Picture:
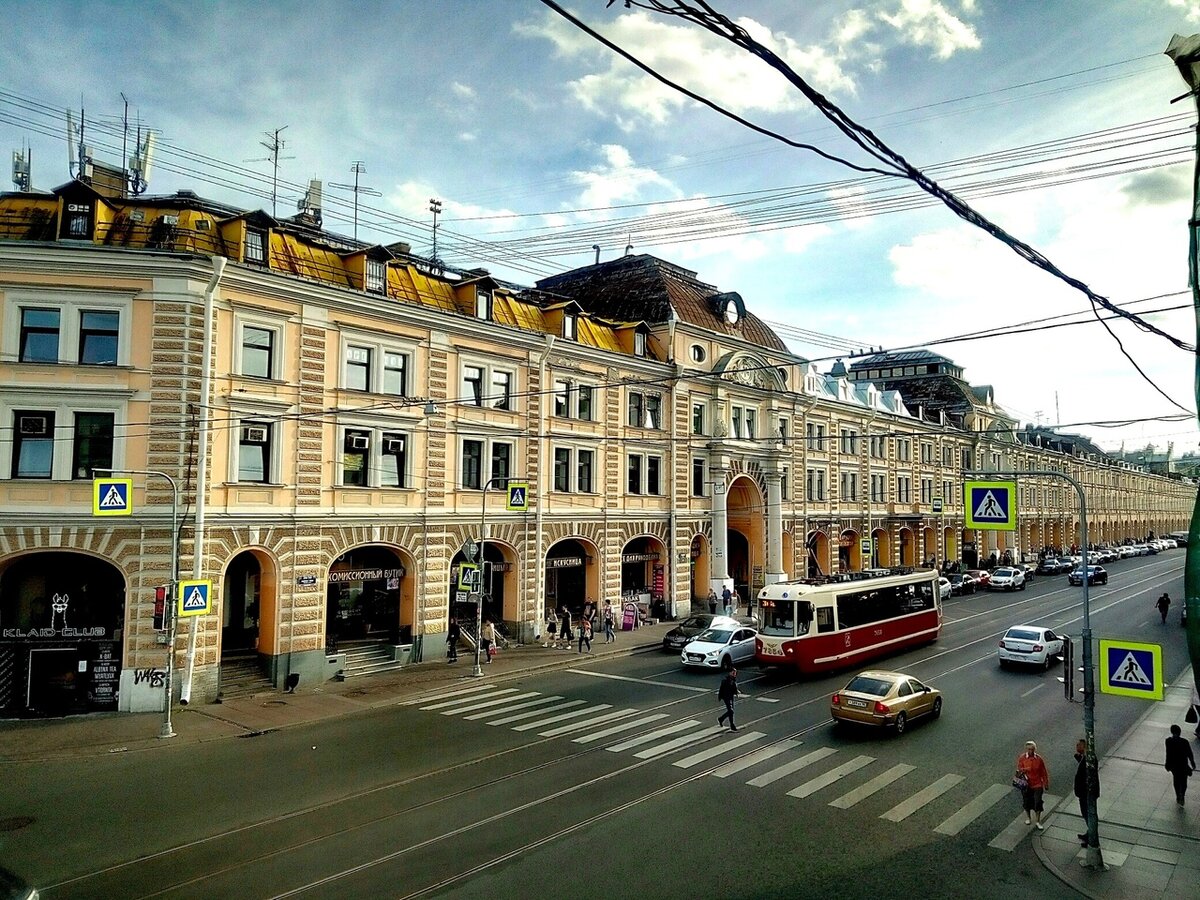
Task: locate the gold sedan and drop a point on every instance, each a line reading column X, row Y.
column 886, row 699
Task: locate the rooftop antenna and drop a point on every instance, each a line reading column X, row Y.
column 596, row 247
column 435, row 207
column 359, row 168
column 79, row 155
column 20, row 169
column 309, row 206
column 274, row 145
column 629, row 246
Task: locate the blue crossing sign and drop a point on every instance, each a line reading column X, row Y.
column 518, row 496
column 112, row 496
column 195, row 598
column 991, row 505
column 1131, row 669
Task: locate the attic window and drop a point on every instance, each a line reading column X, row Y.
column 256, row 247
column 570, row 326
column 483, row 305
column 639, row 343
column 698, row 354
column 376, row 276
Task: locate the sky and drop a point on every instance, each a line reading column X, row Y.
column 1053, row 120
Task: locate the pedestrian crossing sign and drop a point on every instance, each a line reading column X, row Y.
column 195, row 598
column 518, row 496
column 112, row 496
column 991, row 505
column 468, row 577
column 1131, row 669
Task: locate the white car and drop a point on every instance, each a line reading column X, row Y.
column 944, row 589
column 1007, row 578
column 1030, row 645
column 1126, row 551
column 721, row 647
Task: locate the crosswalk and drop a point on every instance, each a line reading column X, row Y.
column 651, row 735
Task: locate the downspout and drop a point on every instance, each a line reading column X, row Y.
column 185, row 690
column 538, row 572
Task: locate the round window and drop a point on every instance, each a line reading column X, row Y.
column 698, row 354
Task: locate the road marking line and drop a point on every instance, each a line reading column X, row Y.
column 667, row 747
column 485, row 705
column 723, row 747
column 579, row 726
column 878, row 783
column 1016, row 830
column 467, row 690
column 1032, row 689
column 830, row 777
column 755, row 758
column 540, row 701
column 902, row 811
column 529, row 726
column 666, row 684
column 458, row 701
column 973, row 810
column 537, row 712
column 616, row 729
column 653, row 735
column 794, row 766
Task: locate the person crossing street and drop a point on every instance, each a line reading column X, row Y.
column 728, row 693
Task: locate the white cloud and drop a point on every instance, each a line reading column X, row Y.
column 1189, row 8
column 617, row 179
column 468, row 136
column 927, row 23
column 462, row 91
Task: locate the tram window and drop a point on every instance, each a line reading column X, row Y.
column 876, row 605
column 778, row 619
column 824, row 619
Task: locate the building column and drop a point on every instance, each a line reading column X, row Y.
column 774, row 573
column 718, row 577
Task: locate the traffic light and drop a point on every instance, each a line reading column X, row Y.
column 1068, row 669
column 162, row 596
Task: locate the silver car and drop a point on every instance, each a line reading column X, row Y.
column 1007, row 578
column 720, row 648
column 1030, row 645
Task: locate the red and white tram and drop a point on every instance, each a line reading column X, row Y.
column 818, row 627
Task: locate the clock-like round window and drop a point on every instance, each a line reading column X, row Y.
column 698, row 354
column 731, row 312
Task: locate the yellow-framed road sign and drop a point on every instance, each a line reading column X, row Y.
column 1131, row 669
column 518, row 496
column 112, row 496
column 195, row 598
column 991, row 505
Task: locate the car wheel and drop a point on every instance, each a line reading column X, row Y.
column 726, row 663
column 937, row 708
column 1022, row 585
column 1004, row 664
column 1047, row 662
column 901, row 722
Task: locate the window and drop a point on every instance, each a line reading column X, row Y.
column 645, row 410
column 587, row 460
column 254, row 452
column 783, row 430
column 968, row 460
column 903, row 449
column 472, row 465
column 639, row 343
column 562, row 469
column 697, row 418
column 93, row 445
column 653, row 474
column 376, row 276
column 570, row 326
column 783, row 484
column 499, row 382
column 751, row 424
column 849, row 486
column 562, row 398
column 501, row 390
column 947, row 457
column 39, row 335
column 358, row 368
column 878, row 448
column 926, row 453
column 878, row 488
column 644, row 474
column 395, row 374
column 33, row 444
column 483, row 305
column 98, row 334
column 258, row 351
column 572, row 400
column 815, row 435
column 393, row 454
column 948, row 492
column 903, row 489
column 473, row 385
column 501, row 464
column 698, row 353
column 256, row 247
column 814, row 485
column 635, row 475
column 849, row 441
column 580, row 462
column 735, row 421
column 78, row 221
column 698, row 477
column 584, row 405
column 356, row 455
column 743, row 423
column 926, row 490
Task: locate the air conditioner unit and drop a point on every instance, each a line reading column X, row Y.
column 359, row 442
column 170, row 220
column 254, row 435
column 33, row 426
column 393, row 445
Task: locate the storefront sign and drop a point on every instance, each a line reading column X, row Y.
column 365, row 575
column 306, row 580
column 639, row 557
column 659, row 579
column 564, row 562
column 58, row 628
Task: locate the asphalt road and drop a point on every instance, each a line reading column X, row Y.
column 435, row 799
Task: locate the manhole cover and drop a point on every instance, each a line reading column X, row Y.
column 275, row 703
column 16, row 823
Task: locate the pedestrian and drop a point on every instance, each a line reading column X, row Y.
column 564, row 627
column 589, row 612
column 1081, row 786
column 1037, row 779
column 712, row 602
column 488, row 641
column 1180, row 762
column 727, row 599
column 1195, row 709
column 453, row 633
column 551, row 626
column 1163, row 604
column 610, row 621
column 585, row 634
column 728, row 693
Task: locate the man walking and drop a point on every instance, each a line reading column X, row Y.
column 728, row 692
column 610, row 636
column 452, row 636
column 1163, row 604
column 727, row 599
column 1180, row 762
column 1081, row 786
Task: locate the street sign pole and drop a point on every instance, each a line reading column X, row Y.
column 171, row 619
column 1093, row 859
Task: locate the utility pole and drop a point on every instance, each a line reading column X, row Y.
column 435, row 207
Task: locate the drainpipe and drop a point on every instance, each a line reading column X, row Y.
column 185, row 690
column 539, row 572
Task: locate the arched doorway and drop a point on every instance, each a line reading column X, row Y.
column 572, row 575
column 248, row 605
column 950, row 549
column 908, row 547
column 746, row 541
column 499, row 581
column 700, row 570
column 849, row 554
column 63, row 615
column 929, row 550
column 881, row 549
column 643, row 573
column 738, row 551
column 817, row 550
column 368, row 587
column 970, row 552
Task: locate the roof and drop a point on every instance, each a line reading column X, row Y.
column 899, row 356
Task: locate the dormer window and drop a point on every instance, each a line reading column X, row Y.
column 639, row 343
column 376, row 276
column 256, row 247
column 731, row 312
column 483, row 305
column 570, row 326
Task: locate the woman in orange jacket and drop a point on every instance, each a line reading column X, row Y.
column 1037, row 777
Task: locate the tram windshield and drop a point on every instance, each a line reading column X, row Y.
column 785, row 618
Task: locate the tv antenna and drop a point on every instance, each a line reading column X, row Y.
column 435, row 207
column 274, row 144
column 79, row 154
column 22, row 159
column 358, row 168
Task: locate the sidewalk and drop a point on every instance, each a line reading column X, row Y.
column 101, row 733
column 1150, row 844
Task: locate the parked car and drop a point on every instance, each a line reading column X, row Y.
column 944, row 589
column 1007, row 578
column 1095, row 575
column 961, row 584
column 981, row 577
column 885, row 699
column 1030, row 645
column 1126, row 551
column 721, row 647
column 1049, row 566
column 675, row 639
column 1029, row 569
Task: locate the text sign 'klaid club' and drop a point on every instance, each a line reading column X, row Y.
column 991, row 505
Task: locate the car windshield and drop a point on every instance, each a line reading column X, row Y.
column 696, row 622
column 1023, row 634
column 870, row 684
column 715, row 636
column 1004, row 573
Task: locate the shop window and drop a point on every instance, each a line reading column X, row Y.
column 254, row 452
column 39, row 335
column 33, row 444
column 93, row 444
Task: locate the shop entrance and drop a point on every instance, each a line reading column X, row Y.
column 643, row 573
column 242, row 598
column 571, row 575
column 499, row 584
column 364, row 595
column 700, row 570
column 817, row 551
